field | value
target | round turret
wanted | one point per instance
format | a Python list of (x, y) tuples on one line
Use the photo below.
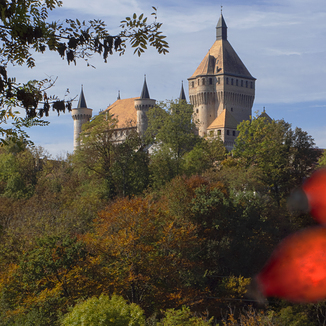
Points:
[(80, 115)]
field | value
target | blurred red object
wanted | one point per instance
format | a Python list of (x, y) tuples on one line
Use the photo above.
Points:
[(296, 270), (315, 190)]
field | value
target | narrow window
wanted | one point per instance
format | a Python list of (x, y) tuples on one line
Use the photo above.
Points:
[(231, 81), (218, 80), (228, 132), (210, 81), (233, 133), (219, 132), (236, 82), (231, 109), (241, 83), (247, 83), (203, 81), (227, 80), (192, 84), (196, 110), (198, 82)]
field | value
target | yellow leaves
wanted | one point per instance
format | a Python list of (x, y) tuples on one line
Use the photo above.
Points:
[(143, 251)]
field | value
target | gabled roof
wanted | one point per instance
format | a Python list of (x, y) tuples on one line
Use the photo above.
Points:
[(266, 116), (224, 120), (125, 111)]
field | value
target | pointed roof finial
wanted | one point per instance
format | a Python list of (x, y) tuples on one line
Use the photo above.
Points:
[(118, 98), (182, 93), (144, 93), (82, 101), (221, 28), (221, 10)]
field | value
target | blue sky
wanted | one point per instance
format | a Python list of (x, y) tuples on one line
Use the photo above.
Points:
[(281, 42)]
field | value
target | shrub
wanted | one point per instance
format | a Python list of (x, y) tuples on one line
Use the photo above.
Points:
[(105, 311)]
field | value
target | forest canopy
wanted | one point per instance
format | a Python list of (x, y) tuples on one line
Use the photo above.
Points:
[(176, 235)]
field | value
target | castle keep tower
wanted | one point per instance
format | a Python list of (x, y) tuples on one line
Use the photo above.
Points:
[(221, 83), (142, 105), (80, 115)]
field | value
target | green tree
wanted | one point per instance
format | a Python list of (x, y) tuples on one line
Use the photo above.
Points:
[(122, 167), (46, 279), (25, 29), (173, 132), (182, 317), (19, 169), (205, 155), (283, 155), (171, 124), (105, 311), (322, 160)]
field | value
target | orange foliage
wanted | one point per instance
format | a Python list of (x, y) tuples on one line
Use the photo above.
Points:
[(145, 252)]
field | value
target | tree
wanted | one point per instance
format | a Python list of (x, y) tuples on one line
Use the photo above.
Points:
[(171, 124), (284, 156), (105, 311), (48, 278), (144, 253), (205, 155), (19, 168), (182, 317), (25, 29), (122, 167), (172, 129)]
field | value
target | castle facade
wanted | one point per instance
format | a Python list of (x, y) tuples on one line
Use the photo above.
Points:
[(221, 90)]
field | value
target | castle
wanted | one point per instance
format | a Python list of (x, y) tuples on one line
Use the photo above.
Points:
[(221, 90)]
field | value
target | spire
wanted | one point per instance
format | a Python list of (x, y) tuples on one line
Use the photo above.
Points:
[(182, 93), (118, 98), (144, 93), (221, 29), (82, 101)]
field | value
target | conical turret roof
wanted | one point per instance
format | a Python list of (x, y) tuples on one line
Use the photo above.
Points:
[(82, 102), (144, 93), (182, 93)]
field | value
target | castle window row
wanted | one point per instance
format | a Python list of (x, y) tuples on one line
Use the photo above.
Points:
[(228, 81), (236, 81), (228, 132)]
